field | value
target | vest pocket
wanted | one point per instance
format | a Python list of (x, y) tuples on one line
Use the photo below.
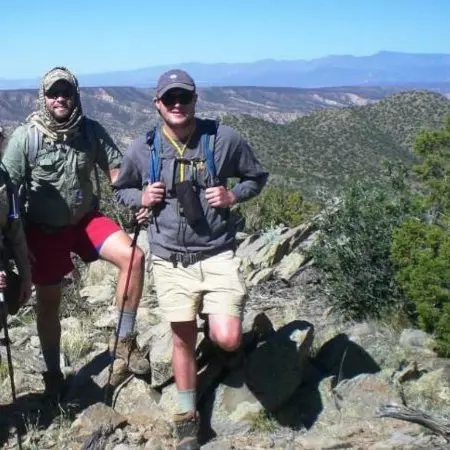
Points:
[(47, 164)]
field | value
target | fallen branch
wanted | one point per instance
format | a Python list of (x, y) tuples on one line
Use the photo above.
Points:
[(438, 425)]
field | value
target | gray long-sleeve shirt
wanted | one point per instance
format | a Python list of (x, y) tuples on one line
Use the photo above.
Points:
[(169, 231)]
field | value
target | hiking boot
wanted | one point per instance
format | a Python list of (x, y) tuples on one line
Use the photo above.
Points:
[(119, 373), (55, 386), (186, 428), (128, 350)]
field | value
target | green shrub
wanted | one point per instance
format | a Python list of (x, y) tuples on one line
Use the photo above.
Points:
[(353, 250), (273, 207), (421, 247), (422, 253)]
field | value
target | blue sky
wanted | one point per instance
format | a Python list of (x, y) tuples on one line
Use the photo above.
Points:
[(91, 36)]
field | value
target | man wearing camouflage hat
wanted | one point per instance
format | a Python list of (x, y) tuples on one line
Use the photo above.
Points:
[(61, 216)]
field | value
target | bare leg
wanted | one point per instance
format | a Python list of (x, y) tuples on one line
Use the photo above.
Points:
[(48, 323), (184, 366), (117, 250)]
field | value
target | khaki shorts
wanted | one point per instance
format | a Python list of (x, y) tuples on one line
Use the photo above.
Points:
[(215, 285)]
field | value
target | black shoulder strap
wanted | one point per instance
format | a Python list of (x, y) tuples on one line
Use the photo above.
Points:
[(34, 144), (89, 133)]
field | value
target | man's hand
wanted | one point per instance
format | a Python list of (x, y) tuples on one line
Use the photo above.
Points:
[(24, 290), (142, 216), (220, 197), (153, 194)]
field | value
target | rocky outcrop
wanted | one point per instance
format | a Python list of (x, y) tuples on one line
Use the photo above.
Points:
[(303, 378), (277, 255)]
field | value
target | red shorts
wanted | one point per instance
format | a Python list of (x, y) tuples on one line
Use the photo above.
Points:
[(53, 250)]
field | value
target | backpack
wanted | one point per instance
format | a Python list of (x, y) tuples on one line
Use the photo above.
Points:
[(35, 140), (207, 143), (12, 212), (13, 284), (11, 195)]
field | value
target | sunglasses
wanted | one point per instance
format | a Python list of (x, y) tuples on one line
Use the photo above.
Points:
[(183, 98), (61, 92)]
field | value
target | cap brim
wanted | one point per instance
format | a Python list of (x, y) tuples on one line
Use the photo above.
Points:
[(50, 83), (186, 87)]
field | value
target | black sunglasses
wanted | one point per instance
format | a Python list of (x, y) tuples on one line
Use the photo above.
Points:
[(60, 92), (183, 98)]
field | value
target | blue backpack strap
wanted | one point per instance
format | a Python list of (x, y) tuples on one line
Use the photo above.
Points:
[(154, 141), (207, 144)]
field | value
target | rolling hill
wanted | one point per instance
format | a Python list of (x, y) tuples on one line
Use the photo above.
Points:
[(328, 148), (307, 138)]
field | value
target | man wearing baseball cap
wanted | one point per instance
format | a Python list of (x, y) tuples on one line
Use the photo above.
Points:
[(191, 231)]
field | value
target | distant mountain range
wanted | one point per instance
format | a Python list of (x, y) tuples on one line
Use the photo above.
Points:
[(382, 69)]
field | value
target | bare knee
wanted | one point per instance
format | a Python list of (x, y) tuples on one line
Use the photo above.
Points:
[(137, 263), (116, 249), (229, 339)]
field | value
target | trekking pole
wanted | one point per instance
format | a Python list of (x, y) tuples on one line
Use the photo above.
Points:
[(9, 359), (137, 228)]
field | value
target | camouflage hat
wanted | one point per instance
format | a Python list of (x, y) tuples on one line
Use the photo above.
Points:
[(57, 74)]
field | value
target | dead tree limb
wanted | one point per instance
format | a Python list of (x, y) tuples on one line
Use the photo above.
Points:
[(439, 425)]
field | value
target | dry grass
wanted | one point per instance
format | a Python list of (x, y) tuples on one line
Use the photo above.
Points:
[(430, 393), (263, 422), (99, 272), (75, 342), (4, 373)]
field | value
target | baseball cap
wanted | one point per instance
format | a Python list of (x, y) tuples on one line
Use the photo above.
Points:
[(174, 79)]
